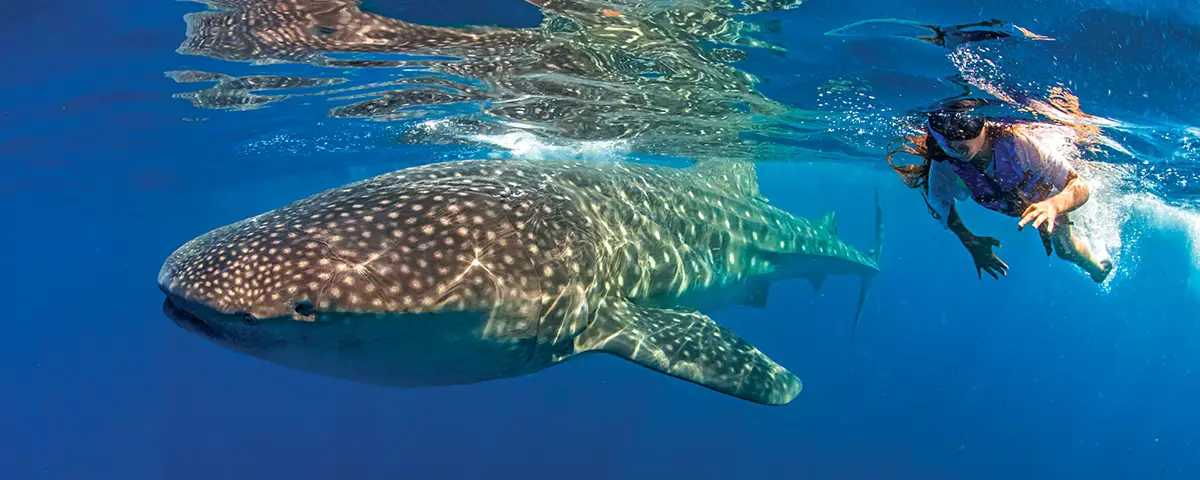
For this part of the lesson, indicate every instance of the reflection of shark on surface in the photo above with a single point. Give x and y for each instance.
(582, 75)
(293, 29)
(238, 93)
(468, 271)
(296, 29)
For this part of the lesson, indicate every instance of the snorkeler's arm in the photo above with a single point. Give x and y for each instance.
(1050, 164)
(1074, 195)
(955, 223)
(943, 191)
(979, 247)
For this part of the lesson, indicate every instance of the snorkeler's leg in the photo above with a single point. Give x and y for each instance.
(1071, 247)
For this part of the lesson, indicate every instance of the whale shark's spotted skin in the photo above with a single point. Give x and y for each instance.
(467, 271)
(249, 29)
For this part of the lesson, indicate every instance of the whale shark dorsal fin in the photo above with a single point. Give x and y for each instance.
(829, 221)
(739, 175)
(689, 346)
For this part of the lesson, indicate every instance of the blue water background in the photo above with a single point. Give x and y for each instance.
(1039, 376)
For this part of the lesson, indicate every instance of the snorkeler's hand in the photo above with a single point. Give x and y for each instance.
(1041, 212)
(985, 259)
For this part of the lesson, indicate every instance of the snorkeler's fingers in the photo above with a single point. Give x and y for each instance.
(996, 267)
(1041, 218)
(1026, 217)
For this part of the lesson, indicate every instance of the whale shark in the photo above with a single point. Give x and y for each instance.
(466, 271)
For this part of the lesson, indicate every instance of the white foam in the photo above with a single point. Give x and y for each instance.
(1163, 217)
(524, 144)
(1108, 221)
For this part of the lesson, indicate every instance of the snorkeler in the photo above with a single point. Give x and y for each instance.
(1004, 168)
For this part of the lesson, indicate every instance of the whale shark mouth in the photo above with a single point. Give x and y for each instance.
(186, 320)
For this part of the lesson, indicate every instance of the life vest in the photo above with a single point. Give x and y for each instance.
(1007, 190)
(998, 192)
(1004, 190)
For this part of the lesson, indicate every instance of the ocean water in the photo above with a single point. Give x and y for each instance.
(123, 134)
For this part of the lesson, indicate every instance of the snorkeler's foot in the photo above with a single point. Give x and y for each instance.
(1106, 267)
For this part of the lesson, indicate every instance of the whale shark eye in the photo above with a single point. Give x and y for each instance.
(249, 319)
(304, 308)
(323, 31)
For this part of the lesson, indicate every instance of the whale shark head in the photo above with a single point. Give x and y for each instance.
(381, 245)
(226, 288)
(319, 284)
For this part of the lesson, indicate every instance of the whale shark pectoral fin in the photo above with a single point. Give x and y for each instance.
(692, 347)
